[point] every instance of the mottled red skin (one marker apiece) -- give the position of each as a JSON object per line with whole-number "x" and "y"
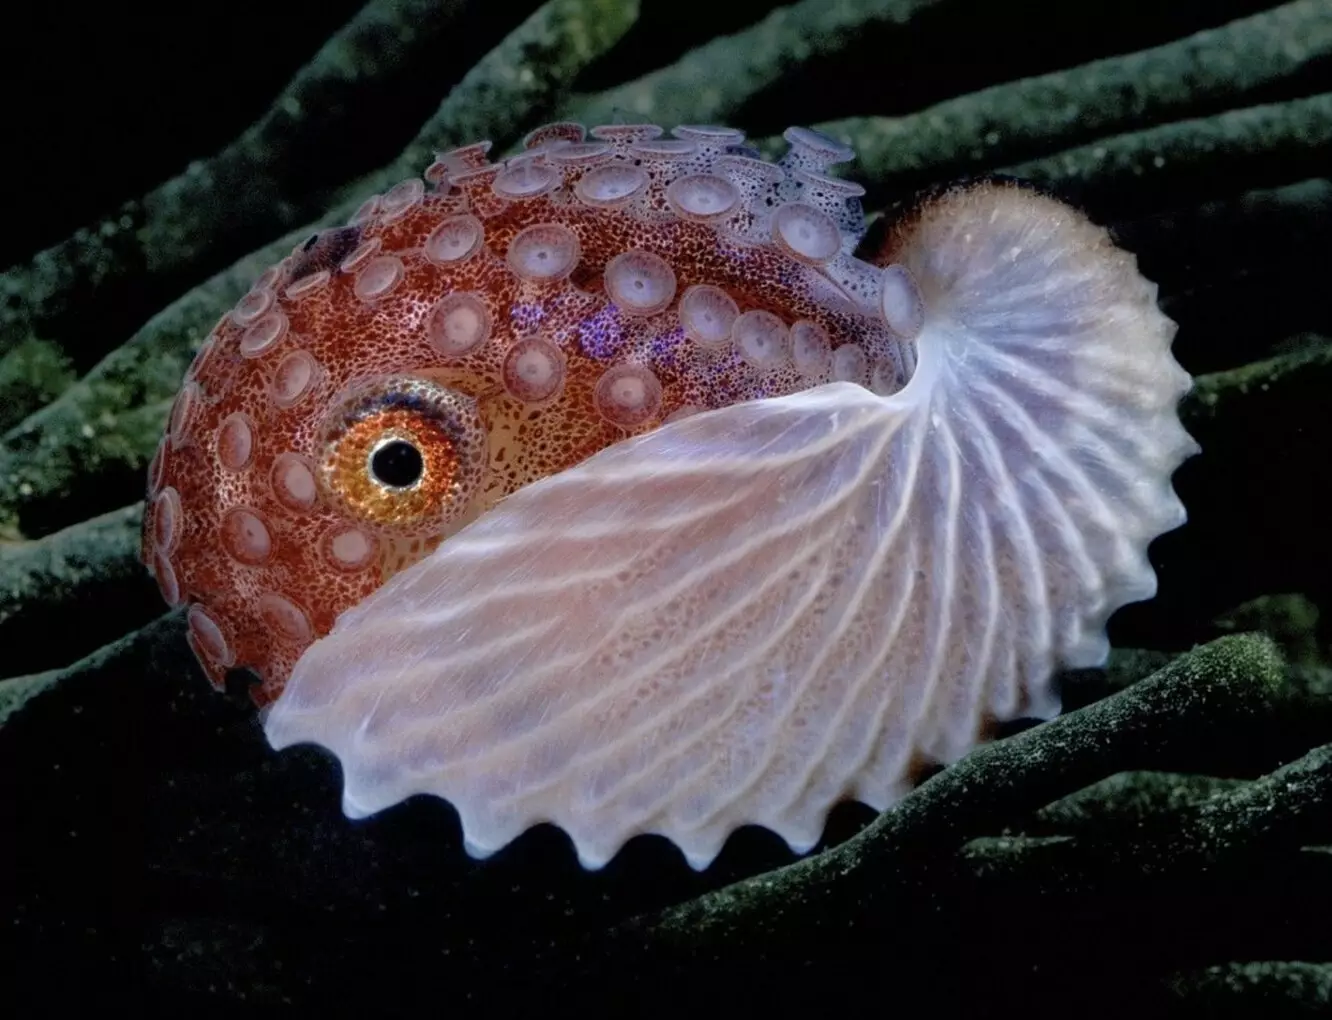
{"x": 351, "y": 338}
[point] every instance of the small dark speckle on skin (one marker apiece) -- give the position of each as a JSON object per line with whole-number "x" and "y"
{"x": 325, "y": 250}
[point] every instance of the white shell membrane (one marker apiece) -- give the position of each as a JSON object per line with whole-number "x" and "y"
{"x": 690, "y": 631}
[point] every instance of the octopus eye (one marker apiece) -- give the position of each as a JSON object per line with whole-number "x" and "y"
{"x": 402, "y": 455}
{"x": 397, "y": 463}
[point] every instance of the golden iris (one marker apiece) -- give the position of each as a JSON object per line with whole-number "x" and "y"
{"x": 402, "y": 455}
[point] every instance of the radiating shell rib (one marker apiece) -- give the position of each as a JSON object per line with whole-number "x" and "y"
{"x": 751, "y": 613}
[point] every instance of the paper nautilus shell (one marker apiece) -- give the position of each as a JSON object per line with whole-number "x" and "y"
{"x": 606, "y": 486}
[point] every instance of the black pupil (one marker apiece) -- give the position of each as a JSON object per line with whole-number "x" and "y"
{"x": 398, "y": 464}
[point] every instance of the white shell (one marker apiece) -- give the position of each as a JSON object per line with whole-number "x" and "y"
{"x": 750, "y": 613}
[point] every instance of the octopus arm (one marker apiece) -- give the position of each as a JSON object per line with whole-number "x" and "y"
{"x": 752, "y": 613}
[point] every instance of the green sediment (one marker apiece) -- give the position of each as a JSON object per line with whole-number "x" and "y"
{"x": 1268, "y": 818}
{"x": 32, "y": 374}
{"x": 53, "y": 567}
{"x": 18, "y": 691}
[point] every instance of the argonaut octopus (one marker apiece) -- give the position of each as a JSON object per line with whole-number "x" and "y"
{"x": 606, "y": 486}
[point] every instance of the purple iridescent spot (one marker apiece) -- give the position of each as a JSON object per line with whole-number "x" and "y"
{"x": 666, "y": 348}
{"x": 602, "y": 335}
{"x": 526, "y": 316}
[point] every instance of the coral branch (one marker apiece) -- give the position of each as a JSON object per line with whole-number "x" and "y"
{"x": 32, "y": 373}
{"x": 90, "y": 564}
{"x": 515, "y": 86}
{"x": 1023, "y": 119}
{"x": 1173, "y": 163}
{"x": 1240, "y": 822}
{"x": 710, "y": 83}
{"x": 1125, "y": 799}
{"x": 137, "y": 648}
